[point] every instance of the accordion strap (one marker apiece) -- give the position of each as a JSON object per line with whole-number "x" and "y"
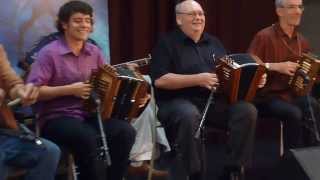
{"x": 299, "y": 53}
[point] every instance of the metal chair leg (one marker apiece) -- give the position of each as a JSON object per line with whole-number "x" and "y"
{"x": 281, "y": 139}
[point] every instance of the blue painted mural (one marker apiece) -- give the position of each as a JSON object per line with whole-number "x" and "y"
{"x": 23, "y": 22}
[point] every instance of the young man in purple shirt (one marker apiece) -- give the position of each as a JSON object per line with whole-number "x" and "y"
{"x": 61, "y": 70}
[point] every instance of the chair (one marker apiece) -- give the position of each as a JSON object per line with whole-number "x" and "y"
{"x": 271, "y": 129}
{"x": 67, "y": 164}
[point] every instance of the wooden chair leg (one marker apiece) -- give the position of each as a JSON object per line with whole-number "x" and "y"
{"x": 72, "y": 168}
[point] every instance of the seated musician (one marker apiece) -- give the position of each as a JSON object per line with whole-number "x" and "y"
{"x": 279, "y": 46}
{"x": 141, "y": 152}
{"x": 182, "y": 72}
{"x": 40, "y": 160}
{"x": 61, "y": 70}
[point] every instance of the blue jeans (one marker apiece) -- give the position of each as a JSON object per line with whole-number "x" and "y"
{"x": 41, "y": 162}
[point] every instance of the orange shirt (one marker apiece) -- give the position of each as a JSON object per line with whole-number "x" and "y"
{"x": 8, "y": 78}
{"x": 272, "y": 45}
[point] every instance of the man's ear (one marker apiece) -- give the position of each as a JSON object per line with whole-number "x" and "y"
{"x": 64, "y": 25}
{"x": 279, "y": 12}
{"x": 179, "y": 22}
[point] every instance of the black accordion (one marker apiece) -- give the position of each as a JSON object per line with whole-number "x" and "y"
{"x": 120, "y": 90}
{"x": 239, "y": 76}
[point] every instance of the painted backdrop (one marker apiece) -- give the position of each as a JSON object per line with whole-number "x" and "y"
{"x": 22, "y": 22}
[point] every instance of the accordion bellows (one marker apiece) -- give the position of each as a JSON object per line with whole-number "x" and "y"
{"x": 239, "y": 76}
{"x": 120, "y": 90}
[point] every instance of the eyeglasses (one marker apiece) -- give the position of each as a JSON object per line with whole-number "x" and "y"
{"x": 294, "y": 7}
{"x": 193, "y": 14}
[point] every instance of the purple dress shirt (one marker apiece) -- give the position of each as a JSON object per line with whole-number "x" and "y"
{"x": 57, "y": 65}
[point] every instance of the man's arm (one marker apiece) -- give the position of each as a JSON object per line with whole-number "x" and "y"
{"x": 42, "y": 71}
{"x": 258, "y": 47}
{"x": 13, "y": 84}
{"x": 288, "y": 68}
{"x": 79, "y": 89}
{"x": 8, "y": 77}
{"x": 2, "y": 96}
{"x": 164, "y": 76}
{"x": 28, "y": 94}
{"x": 173, "y": 81}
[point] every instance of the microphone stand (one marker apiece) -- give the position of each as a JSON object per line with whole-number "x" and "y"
{"x": 313, "y": 120}
{"x": 104, "y": 148}
{"x": 200, "y": 133}
{"x": 306, "y": 80}
{"x": 204, "y": 113}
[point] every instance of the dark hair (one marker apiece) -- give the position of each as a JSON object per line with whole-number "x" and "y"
{"x": 70, "y": 8}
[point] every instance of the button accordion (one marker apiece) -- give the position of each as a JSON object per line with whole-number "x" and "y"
{"x": 239, "y": 76}
{"x": 119, "y": 89}
{"x": 306, "y": 74}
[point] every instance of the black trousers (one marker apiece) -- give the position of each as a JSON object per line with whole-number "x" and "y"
{"x": 83, "y": 140}
{"x": 181, "y": 117}
{"x": 298, "y": 130}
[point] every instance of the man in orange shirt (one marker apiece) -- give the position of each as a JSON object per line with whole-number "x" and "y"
{"x": 40, "y": 160}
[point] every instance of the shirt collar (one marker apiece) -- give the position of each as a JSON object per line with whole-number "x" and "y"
{"x": 65, "y": 49}
{"x": 281, "y": 33}
{"x": 183, "y": 37}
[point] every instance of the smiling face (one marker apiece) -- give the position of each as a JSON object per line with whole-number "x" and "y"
{"x": 79, "y": 27}
{"x": 290, "y": 12}
{"x": 190, "y": 17}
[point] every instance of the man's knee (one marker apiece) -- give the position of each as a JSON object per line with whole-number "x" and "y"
{"x": 296, "y": 115}
{"x": 245, "y": 110}
{"x": 180, "y": 112}
{"x": 122, "y": 130}
{"x": 52, "y": 150}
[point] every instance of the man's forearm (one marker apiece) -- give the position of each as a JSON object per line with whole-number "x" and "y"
{"x": 173, "y": 81}
{"x": 49, "y": 92}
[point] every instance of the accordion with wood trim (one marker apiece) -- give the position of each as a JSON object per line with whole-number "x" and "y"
{"x": 306, "y": 75}
{"x": 120, "y": 90}
{"x": 239, "y": 76}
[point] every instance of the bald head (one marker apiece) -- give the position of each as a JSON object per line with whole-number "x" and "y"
{"x": 186, "y": 5}
{"x": 190, "y": 18}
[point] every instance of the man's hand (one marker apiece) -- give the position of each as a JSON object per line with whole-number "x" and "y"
{"x": 262, "y": 81}
{"x": 132, "y": 66}
{"x": 208, "y": 80}
{"x": 143, "y": 101}
{"x": 28, "y": 94}
{"x": 81, "y": 89}
{"x": 2, "y": 96}
{"x": 288, "y": 67}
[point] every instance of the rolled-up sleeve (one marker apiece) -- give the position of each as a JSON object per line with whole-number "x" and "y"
{"x": 41, "y": 69}
{"x": 258, "y": 46}
{"x": 161, "y": 62}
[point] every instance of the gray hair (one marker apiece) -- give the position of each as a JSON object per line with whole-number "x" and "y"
{"x": 279, "y": 3}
